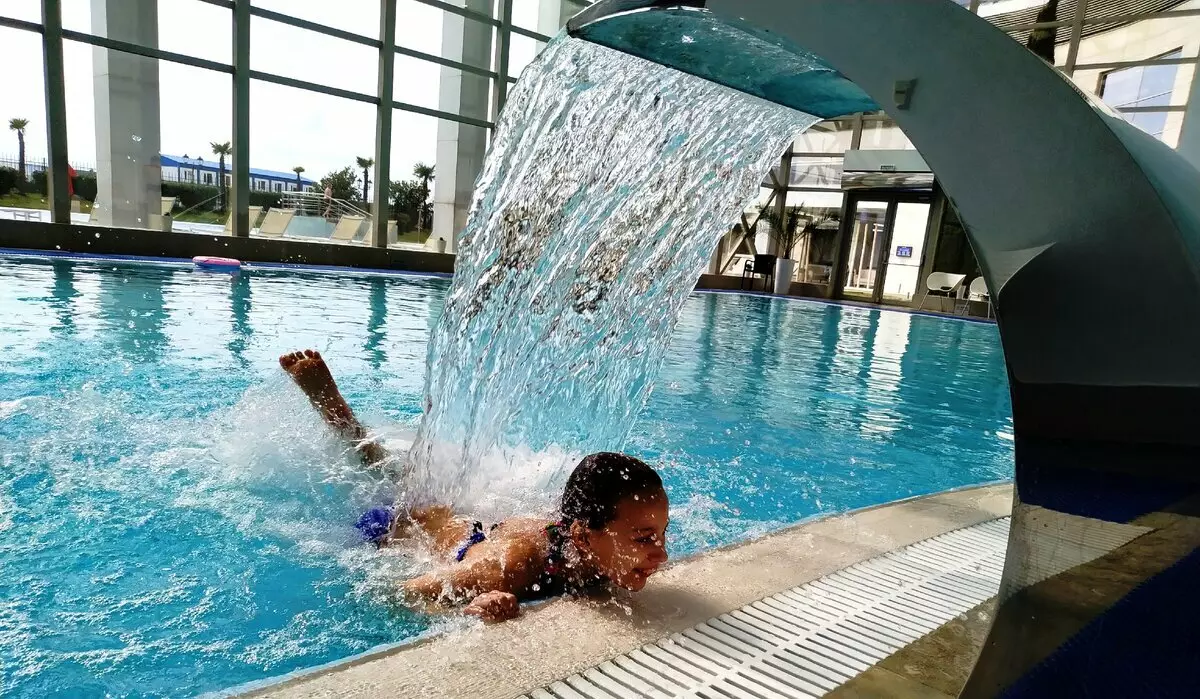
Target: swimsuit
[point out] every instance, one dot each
(376, 523)
(477, 536)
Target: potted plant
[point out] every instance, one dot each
(786, 231)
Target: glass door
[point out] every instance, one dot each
(905, 250)
(868, 239)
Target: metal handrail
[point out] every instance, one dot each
(315, 204)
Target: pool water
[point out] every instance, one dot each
(174, 519)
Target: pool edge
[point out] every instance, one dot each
(284, 682)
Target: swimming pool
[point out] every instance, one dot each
(174, 519)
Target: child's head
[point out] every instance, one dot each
(616, 510)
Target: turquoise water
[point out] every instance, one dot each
(175, 520)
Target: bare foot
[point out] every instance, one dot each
(312, 375)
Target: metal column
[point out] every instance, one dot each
(56, 112)
(504, 38)
(1076, 36)
(241, 120)
(383, 124)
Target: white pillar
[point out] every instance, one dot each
(460, 147)
(553, 14)
(128, 170)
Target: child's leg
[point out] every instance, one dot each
(312, 375)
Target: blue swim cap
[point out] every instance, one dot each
(375, 523)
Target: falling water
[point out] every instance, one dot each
(609, 181)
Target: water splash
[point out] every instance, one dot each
(609, 181)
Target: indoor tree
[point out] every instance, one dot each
(787, 230)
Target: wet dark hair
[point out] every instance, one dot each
(601, 481)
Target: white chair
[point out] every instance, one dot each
(943, 285)
(978, 291)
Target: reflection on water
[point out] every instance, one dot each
(375, 325)
(811, 408)
(172, 514)
(239, 306)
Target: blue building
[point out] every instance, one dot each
(205, 172)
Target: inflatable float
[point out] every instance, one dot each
(223, 264)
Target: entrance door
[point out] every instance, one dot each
(885, 246)
(868, 238)
(905, 251)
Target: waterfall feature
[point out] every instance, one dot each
(608, 184)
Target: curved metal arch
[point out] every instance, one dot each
(1087, 230)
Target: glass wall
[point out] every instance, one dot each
(314, 94)
(23, 125)
(153, 114)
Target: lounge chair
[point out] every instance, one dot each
(255, 214)
(393, 233)
(276, 223)
(347, 228)
(162, 220)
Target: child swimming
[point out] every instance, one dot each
(611, 529)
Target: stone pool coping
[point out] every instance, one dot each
(561, 637)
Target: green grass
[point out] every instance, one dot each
(35, 201)
(202, 217)
(412, 237)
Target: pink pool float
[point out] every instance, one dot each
(225, 264)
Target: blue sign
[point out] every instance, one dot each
(903, 251)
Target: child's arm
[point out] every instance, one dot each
(489, 585)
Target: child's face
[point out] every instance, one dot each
(632, 547)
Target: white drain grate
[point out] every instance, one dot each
(811, 639)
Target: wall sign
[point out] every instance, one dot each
(903, 251)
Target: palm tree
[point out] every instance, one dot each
(366, 164)
(19, 125)
(424, 173)
(298, 169)
(221, 150)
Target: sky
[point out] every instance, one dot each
(288, 127)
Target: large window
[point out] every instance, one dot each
(314, 90)
(149, 108)
(1142, 88)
